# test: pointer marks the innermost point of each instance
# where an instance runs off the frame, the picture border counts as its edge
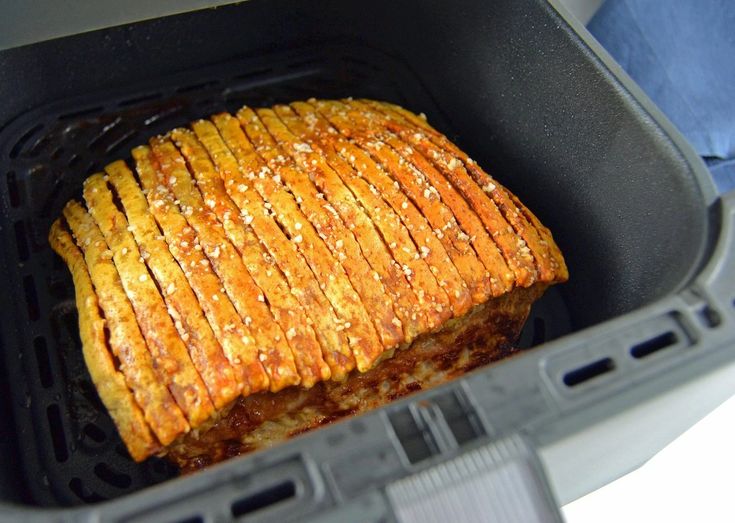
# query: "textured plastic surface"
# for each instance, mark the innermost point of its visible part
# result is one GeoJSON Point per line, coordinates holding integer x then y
{"type": "Point", "coordinates": [503, 482]}
{"type": "Point", "coordinates": [519, 89]}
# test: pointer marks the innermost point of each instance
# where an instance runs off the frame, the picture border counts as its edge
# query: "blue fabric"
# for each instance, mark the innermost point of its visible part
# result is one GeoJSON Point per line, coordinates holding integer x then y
{"type": "Point", "coordinates": [723, 172]}
{"type": "Point", "coordinates": [682, 53]}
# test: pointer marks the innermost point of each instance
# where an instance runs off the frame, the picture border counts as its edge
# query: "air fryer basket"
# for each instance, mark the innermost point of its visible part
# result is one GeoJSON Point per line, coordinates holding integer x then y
{"type": "Point", "coordinates": [77, 456]}
{"type": "Point", "coordinates": [515, 86]}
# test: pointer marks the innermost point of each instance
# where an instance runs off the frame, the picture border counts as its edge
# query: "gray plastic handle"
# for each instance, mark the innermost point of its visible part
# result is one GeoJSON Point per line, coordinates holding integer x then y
{"type": "Point", "coordinates": [500, 482]}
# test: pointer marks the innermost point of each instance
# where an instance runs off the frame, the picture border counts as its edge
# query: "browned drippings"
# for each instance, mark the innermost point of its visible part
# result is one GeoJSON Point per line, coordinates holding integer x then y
{"type": "Point", "coordinates": [481, 337]}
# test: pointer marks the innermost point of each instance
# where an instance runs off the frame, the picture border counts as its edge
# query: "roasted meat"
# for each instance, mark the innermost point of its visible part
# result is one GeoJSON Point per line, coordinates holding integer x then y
{"type": "Point", "coordinates": [261, 274]}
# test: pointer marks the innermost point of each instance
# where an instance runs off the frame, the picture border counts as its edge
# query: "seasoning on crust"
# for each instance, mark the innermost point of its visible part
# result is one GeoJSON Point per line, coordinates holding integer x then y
{"type": "Point", "coordinates": [273, 271]}
{"type": "Point", "coordinates": [103, 369]}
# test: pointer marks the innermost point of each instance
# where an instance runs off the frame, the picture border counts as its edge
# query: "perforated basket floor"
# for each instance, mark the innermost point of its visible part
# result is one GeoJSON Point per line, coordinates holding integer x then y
{"type": "Point", "coordinates": [70, 451]}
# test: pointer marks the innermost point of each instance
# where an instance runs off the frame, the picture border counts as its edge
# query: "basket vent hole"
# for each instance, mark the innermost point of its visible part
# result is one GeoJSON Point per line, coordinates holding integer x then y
{"type": "Point", "coordinates": [587, 372]}
{"type": "Point", "coordinates": [163, 115]}
{"type": "Point", "coordinates": [38, 146]}
{"type": "Point", "coordinates": [44, 364]}
{"type": "Point", "coordinates": [108, 475]}
{"type": "Point", "coordinates": [709, 317]}
{"type": "Point", "coordinates": [49, 203]}
{"type": "Point", "coordinates": [139, 99]}
{"type": "Point", "coordinates": [21, 240]}
{"type": "Point", "coordinates": [56, 430]}
{"type": "Point", "coordinates": [277, 493]}
{"type": "Point", "coordinates": [304, 63]}
{"type": "Point", "coordinates": [94, 433]}
{"type": "Point", "coordinates": [250, 74]}
{"type": "Point", "coordinates": [122, 140]}
{"type": "Point", "coordinates": [417, 444]}
{"type": "Point", "coordinates": [29, 286]}
{"type": "Point", "coordinates": [658, 343]}
{"type": "Point", "coordinates": [15, 151]}
{"type": "Point", "coordinates": [192, 519]}
{"type": "Point", "coordinates": [460, 416]}
{"type": "Point", "coordinates": [79, 114]}
{"type": "Point", "coordinates": [195, 87]}
{"type": "Point", "coordinates": [13, 189]}
{"type": "Point", "coordinates": [82, 492]}
{"type": "Point", "coordinates": [103, 133]}
{"type": "Point", "coordinates": [73, 160]}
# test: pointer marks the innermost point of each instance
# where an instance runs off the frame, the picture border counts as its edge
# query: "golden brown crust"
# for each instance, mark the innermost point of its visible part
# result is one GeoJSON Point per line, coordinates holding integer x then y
{"type": "Point", "coordinates": [168, 351]}
{"type": "Point", "coordinates": [272, 349]}
{"type": "Point", "coordinates": [537, 238]}
{"type": "Point", "coordinates": [183, 307]}
{"type": "Point", "coordinates": [324, 166]}
{"type": "Point", "coordinates": [496, 247]}
{"type": "Point", "coordinates": [237, 343]}
{"type": "Point", "coordinates": [363, 339]}
{"type": "Point", "coordinates": [283, 305]}
{"type": "Point", "coordinates": [146, 381]}
{"type": "Point", "coordinates": [336, 233]}
{"type": "Point", "coordinates": [421, 191]}
{"type": "Point", "coordinates": [443, 288]}
{"type": "Point", "coordinates": [238, 161]}
{"type": "Point", "coordinates": [109, 381]}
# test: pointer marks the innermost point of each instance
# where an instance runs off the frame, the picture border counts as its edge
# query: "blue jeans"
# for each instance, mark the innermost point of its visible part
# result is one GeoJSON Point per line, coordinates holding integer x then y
{"type": "Point", "coordinates": [682, 53]}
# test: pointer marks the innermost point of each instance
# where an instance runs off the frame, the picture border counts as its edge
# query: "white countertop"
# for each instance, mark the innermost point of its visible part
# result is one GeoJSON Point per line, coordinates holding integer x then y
{"type": "Point", "coordinates": [691, 480]}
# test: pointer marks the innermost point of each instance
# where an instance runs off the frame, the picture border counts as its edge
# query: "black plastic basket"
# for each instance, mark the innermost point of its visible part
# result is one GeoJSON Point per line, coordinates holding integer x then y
{"type": "Point", "coordinates": [650, 248]}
